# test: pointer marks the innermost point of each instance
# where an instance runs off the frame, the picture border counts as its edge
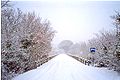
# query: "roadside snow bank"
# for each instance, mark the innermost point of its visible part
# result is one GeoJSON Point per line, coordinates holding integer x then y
{"type": "Point", "coordinates": [64, 67]}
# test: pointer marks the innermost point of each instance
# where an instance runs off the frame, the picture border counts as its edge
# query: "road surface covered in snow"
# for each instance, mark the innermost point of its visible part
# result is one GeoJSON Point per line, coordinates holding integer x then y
{"type": "Point", "coordinates": [64, 67]}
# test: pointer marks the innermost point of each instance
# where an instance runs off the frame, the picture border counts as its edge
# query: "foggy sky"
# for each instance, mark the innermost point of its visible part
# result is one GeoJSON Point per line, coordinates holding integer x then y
{"type": "Point", "coordinates": [75, 21]}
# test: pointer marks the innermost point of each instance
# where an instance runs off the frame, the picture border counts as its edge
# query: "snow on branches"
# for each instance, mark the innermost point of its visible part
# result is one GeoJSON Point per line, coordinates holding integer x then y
{"type": "Point", "coordinates": [26, 41]}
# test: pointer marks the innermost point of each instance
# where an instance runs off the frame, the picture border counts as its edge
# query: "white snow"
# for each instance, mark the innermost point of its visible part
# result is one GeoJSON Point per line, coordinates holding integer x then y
{"type": "Point", "coordinates": [64, 67]}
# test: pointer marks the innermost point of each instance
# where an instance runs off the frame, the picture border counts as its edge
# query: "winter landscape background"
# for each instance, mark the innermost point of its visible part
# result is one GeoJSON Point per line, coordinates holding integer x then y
{"type": "Point", "coordinates": [35, 33]}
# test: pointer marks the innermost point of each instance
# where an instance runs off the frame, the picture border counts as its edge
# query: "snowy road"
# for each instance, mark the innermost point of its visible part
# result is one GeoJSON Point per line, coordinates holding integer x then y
{"type": "Point", "coordinates": [64, 67]}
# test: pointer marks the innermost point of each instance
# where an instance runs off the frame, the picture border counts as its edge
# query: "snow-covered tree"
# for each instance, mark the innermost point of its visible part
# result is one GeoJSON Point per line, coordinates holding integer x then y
{"type": "Point", "coordinates": [65, 45]}
{"type": "Point", "coordinates": [26, 41]}
{"type": "Point", "coordinates": [75, 49]}
{"type": "Point", "coordinates": [79, 49]}
{"type": "Point", "coordinates": [108, 47]}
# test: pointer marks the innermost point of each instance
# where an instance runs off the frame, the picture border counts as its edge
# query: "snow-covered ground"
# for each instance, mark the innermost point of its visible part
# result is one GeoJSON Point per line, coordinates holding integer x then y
{"type": "Point", "coordinates": [64, 67]}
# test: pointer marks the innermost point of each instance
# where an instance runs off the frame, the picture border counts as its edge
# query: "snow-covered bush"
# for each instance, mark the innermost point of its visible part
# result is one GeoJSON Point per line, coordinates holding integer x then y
{"type": "Point", "coordinates": [26, 41]}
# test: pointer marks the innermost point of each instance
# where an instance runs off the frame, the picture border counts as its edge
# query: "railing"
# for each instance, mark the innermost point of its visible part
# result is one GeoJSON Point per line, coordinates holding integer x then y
{"type": "Point", "coordinates": [82, 60]}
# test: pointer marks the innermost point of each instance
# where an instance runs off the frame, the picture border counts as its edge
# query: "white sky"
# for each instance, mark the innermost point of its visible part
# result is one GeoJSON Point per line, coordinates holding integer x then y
{"type": "Point", "coordinates": [73, 20]}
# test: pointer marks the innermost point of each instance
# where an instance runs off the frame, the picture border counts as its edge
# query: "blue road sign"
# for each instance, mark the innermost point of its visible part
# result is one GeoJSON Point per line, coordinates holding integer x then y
{"type": "Point", "coordinates": [92, 49]}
